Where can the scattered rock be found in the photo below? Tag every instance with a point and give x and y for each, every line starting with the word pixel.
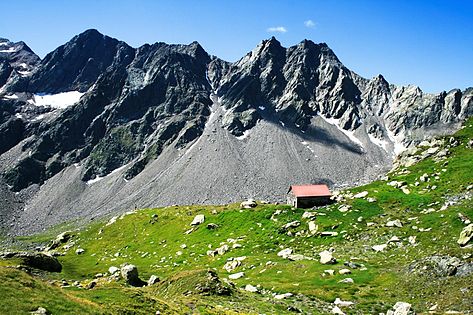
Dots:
pixel 400 308
pixel 91 285
pixel 328 233
pixel 396 223
pixel 464 219
pixel 309 215
pixel 344 271
pixel 405 190
pixel 326 258
pixel 130 275
pixel 361 194
pixel 198 219
pixel 248 204
pixel 344 208
pixel 379 248
pixel 296 257
pixel 342 303
pixel 236 276
pixel 441 266
pixel 291 225
pixel 337 310
pixel 112 270
pixel 222 249
pixel 153 280
pixel 285 252
pixel 212 226
pixel 42 261
pixel 347 280
pixel 313 228
pixel 282 296
pixel 80 251
pixel 231 265
pixel 60 239
pixel 40 311
pixel 465 235
pixel 251 288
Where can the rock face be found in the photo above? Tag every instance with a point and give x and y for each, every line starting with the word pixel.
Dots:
pixel 137 125
pixel 442 266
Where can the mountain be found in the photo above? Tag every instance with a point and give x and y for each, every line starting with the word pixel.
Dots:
pixel 98 127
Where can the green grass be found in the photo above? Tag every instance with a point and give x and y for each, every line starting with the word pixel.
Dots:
pixel 153 239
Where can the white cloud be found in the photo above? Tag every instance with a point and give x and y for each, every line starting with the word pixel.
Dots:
pixel 309 24
pixel 277 29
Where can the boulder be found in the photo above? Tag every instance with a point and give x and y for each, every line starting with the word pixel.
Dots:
pixel 80 251
pixel 212 226
pixel 342 303
pixel 231 265
pixel 60 239
pixel 379 248
pixel 153 280
pixel 248 204
pixel 236 276
pixel 394 223
pixel 285 252
pixel 283 296
pixel 251 288
pixel 130 275
pixel 441 266
pixel 466 235
pixel 361 194
pixel 313 228
pixel 198 219
pixel 309 215
pixel 40 261
pixel 40 311
pixel 211 285
pixel 344 271
pixel 400 308
pixel 326 258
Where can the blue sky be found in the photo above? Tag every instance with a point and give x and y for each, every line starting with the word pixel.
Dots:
pixel 427 43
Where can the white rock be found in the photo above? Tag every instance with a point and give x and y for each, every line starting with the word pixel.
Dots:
pixel 379 248
pixel 393 223
pixel 344 271
pixel 405 190
pixel 330 271
pixel 198 219
pixel 400 308
pixel 327 258
pixel 80 251
pixel 412 239
pixel 309 215
pixel 361 194
pixel 112 270
pixel 342 303
pixel 347 280
pixel 313 227
pixel 251 288
pixel 337 310
pixel 285 253
pixel 231 265
pixel 237 275
pixel 371 199
pixel 394 239
pixel 282 296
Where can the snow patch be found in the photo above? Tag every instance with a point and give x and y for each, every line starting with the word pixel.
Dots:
pixel 397 142
pixel 24 73
pixel 10 97
pixel 262 107
pixel 60 100
pixel 380 143
pixel 9 50
pixel 99 178
pixel 349 134
pixel 18 115
pixel 282 124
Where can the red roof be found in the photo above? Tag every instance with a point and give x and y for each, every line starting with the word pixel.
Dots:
pixel 310 190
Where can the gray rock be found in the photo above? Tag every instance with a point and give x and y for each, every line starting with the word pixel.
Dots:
pixel 198 219
pixel 400 308
pixel 130 274
pixel 466 235
pixel 40 311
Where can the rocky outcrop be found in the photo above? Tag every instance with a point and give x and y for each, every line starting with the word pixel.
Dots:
pixel 40 261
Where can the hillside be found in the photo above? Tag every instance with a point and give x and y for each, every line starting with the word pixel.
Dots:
pixel 394 240
pixel 98 127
